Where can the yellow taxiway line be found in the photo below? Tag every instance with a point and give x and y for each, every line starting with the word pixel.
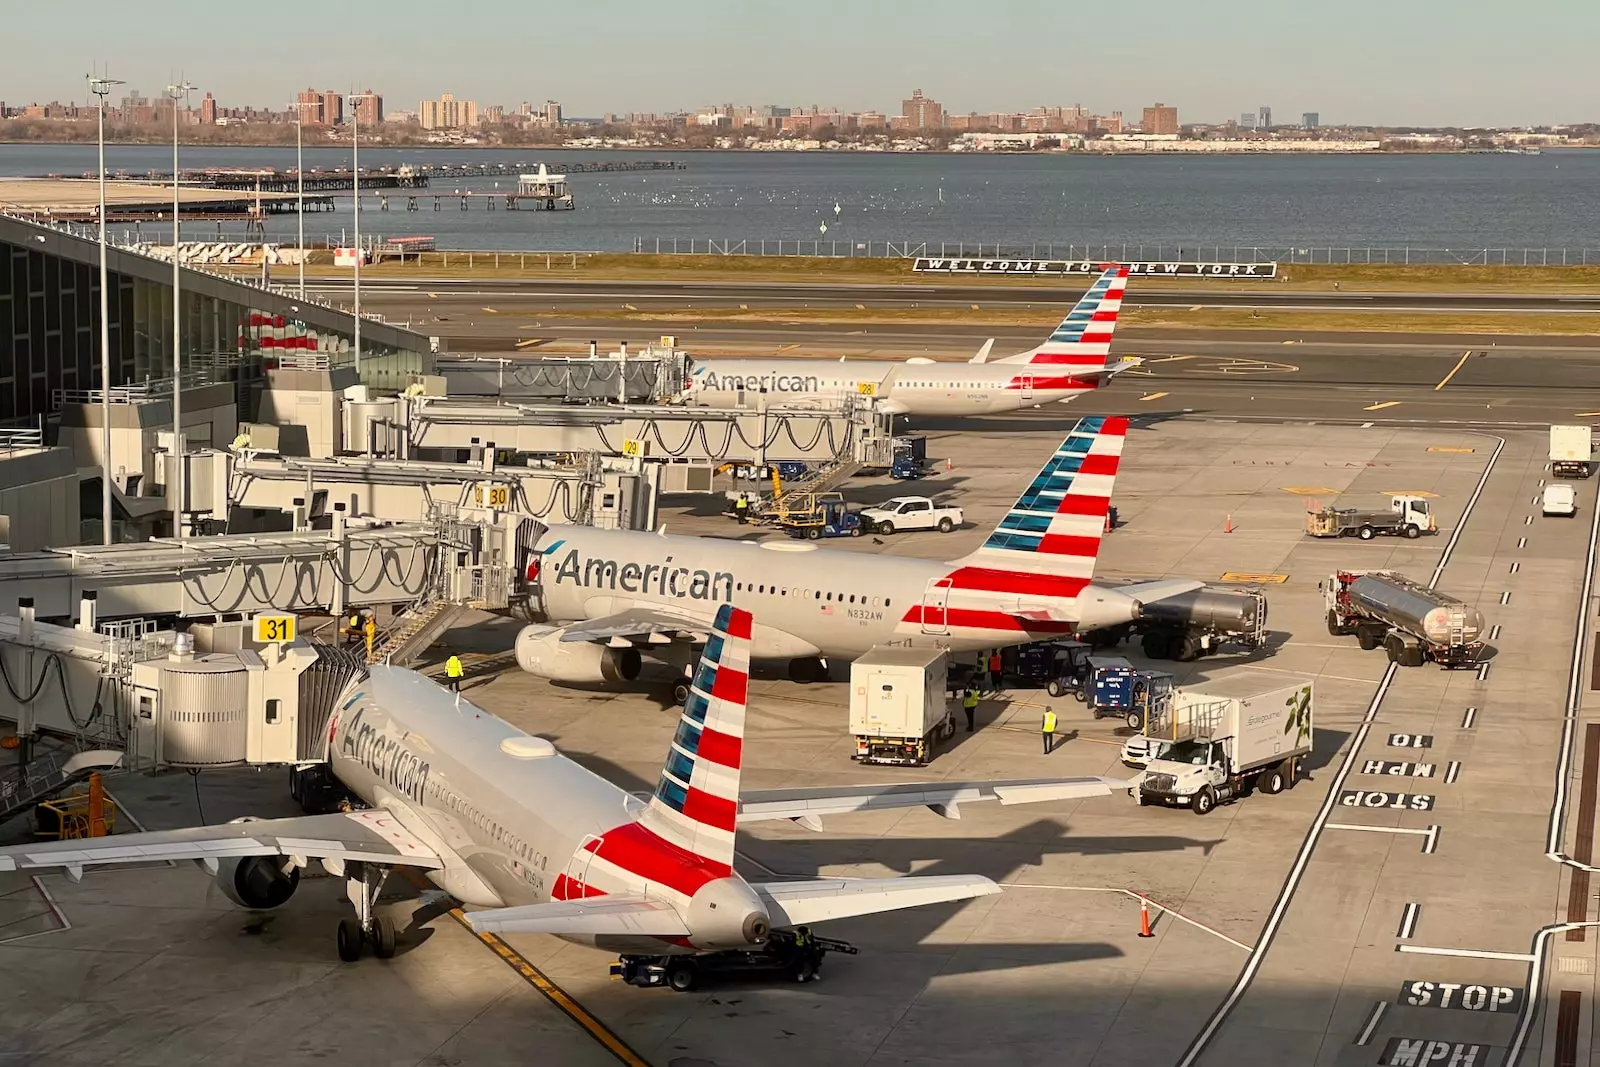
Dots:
pixel 1154 396
pixel 1380 407
pixel 555 995
pixel 1446 379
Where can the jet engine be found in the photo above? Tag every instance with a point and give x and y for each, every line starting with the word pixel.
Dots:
pixel 541 651
pixel 257 882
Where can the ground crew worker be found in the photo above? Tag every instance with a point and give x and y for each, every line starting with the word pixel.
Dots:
pixel 353 627
pixel 371 630
pixel 453 671
pixel 1049 731
pixel 969 704
pixel 741 509
pixel 802 937
pixel 994 670
pixel 980 668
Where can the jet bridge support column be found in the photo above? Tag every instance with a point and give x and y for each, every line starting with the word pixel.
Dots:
pixel 341 560
pixel 26 723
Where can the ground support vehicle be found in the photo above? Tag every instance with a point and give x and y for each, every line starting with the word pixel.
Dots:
pixel 1201 623
pixel 1060 667
pixel 1571 451
pixel 898 705
pixel 780 957
pixel 1408 516
pixel 1220 743
pixel 910 513
pixel 1559 499
pixel 828 516
pixel 910 458
pixel 1413 623
pixel 1117 689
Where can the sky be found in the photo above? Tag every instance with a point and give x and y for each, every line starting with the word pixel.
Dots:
pixel 1381 62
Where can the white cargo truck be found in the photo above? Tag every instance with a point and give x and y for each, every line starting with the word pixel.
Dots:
pixel 1571 450
pixel 1233 735
pixel 898 704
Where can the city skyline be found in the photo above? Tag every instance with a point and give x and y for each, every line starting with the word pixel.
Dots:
pixel 1375 64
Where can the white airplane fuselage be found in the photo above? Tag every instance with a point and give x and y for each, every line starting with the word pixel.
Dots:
pixel 508 812
pixel 912 388
pixel 807 601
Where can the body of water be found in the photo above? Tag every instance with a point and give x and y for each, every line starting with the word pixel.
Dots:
pixel 1459 202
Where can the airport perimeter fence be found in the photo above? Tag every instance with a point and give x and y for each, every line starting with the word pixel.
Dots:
pixel 1398 255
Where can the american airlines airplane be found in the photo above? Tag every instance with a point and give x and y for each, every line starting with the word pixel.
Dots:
pixel 503 822
pixel 1075 358
pixel 607 597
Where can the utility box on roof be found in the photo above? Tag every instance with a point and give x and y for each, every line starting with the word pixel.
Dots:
pixel 898 707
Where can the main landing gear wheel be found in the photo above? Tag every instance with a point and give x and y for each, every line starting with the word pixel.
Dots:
pixel 383 938
pixel 349 940
pixel 363 883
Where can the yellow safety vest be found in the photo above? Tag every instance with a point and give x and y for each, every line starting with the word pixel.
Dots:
pixel 970 701
pixel 452 667
pixel 1049 722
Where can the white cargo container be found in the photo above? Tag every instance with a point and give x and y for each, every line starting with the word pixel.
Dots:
pixel 1228 737
pixel 1571 449
pixel 898 706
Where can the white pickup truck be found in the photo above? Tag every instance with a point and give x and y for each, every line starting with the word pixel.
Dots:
pixel 910 513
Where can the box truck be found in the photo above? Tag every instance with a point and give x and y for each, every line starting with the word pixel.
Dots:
pixel 1223 740
pixel 1571 449
pixel 898 707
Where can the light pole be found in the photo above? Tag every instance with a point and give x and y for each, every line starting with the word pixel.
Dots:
pixel 355 185
pixel 300 198
pixel 177 92
pixel 101 87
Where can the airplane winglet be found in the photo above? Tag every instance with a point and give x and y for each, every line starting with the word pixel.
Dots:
pixel 983 353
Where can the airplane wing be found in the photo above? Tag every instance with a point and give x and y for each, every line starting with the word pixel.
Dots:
pixel 640 623
pixel 374 835
pixel 618 916
pixel 807 806
pixel 799 903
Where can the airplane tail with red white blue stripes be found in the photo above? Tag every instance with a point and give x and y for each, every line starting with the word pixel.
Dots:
pixel 1056 525
pixel 1082 343
pixel 696 801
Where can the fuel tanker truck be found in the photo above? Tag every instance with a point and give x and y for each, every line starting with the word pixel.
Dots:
pixel 1194 624
pixel 1413 623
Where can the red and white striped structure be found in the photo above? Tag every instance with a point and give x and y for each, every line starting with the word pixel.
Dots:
pixel 1082 343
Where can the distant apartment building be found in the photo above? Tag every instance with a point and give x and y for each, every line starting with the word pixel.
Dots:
pixel 1264 120
pixel 921 113
pixel 1311 120
pixel 1247 120
pixel 447 113
pixel 550 114
pixel 491 115
pixel 208 110
pixel 367 108
pixel 309 106
pixel 315 108
pixel 1160 119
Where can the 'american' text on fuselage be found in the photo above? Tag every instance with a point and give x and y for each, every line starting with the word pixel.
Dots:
pixel 663 579
pixel 755 383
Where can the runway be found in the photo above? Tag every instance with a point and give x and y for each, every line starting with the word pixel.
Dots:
pixel 662 295
pixel 1377 376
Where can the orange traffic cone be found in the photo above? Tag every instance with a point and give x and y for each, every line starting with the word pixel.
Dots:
pixel 1144 918
pixel 1228 526
pixel 948 465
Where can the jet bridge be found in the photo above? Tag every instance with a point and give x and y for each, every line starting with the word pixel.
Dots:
pixel 851 429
